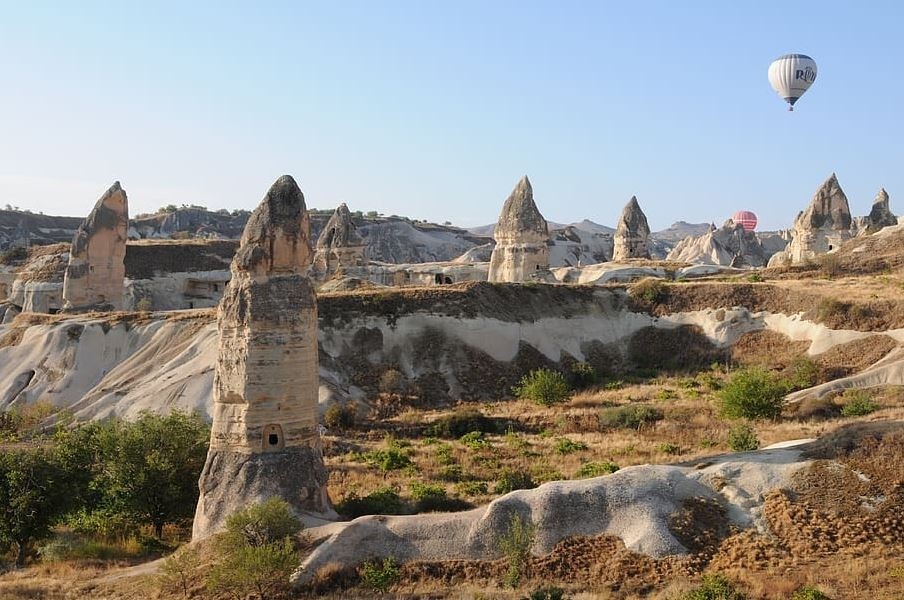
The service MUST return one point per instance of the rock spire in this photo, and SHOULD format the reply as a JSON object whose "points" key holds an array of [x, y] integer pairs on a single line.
{"points": [[264, 440], [880, 216], [339, 246], [522, 236], [632, 234], [94, 278]]}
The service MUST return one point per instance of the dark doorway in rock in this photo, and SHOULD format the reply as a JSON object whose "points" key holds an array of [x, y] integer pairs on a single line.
{"points": [[273, 438]]}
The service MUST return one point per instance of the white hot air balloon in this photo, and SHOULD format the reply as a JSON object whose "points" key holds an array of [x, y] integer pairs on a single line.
{"points": [[791, 75]]}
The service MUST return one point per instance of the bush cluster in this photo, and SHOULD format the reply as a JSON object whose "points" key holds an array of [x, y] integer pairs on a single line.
{"points": [[543, 386], [753, 393], [858, 403], [633, 416]]}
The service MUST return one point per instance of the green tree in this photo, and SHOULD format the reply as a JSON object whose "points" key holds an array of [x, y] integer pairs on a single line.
{"points": [[753, 393], [152, 467], [34, 495], [256, 554]]}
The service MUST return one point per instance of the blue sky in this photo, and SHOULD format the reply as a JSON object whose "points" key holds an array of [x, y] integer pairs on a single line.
{"points": [[434, 109]]}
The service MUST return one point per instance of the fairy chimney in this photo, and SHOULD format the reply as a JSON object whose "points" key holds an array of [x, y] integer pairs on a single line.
{"points": [[521, 235], [880, 216], [95, 275], [339, 246], [821, 228], [632, 234], [264, 440]]}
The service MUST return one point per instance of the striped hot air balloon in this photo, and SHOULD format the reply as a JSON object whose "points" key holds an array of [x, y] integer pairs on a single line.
{"points": [[791, 75], [745, 219]]}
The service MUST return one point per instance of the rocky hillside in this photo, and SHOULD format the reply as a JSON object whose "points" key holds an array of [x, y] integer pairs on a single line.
{"points": [[19, 228]]}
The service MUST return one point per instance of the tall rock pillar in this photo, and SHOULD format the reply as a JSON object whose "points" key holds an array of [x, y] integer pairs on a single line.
{"points": [[95, 276], [265, 441], [632, 234], [522, 236], [339, 245]]}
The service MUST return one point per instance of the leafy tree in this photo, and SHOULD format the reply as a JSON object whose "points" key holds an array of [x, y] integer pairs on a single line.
{"points": [[515, 544], [753, 393], [152, 467], [256, 552], [34, 495]]}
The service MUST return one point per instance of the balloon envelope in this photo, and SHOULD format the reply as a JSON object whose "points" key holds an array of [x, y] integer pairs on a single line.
{"points": [[791, 75], [745, 219]]}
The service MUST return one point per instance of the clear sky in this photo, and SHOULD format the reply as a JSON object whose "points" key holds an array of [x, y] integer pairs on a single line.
{"points": [[434, 109]]}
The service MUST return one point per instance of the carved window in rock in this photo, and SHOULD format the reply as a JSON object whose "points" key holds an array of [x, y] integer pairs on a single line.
{"points": [[273, 438]]}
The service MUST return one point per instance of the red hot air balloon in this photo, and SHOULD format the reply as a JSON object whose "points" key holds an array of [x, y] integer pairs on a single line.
{"points": [[746, 219]]}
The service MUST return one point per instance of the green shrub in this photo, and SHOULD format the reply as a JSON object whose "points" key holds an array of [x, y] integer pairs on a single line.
{"points": [[101, 522], [256, 554], [461, 422], [511, 480], [668, 448], [755, 277], [474, 440], [566, 446], [451, 473], [548, 593], [808, 592], [714, 587], [634, 416], [614, 385], [383, 501], [666, 394], [543, 386], [649, 290], [596, 469], [753, 393], [260, 524], [582, 375], [858, 403], [391, 458], [433, 498], [742, 438], [804, 373], [445, 455], [340, 416], [179, 570], [379, 576], [515, 544], [472, 488]]}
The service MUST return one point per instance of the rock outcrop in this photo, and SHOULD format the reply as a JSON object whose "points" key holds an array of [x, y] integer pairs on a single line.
{"points": [[522, 236], [729, 246], [632, 234], [880, 216], [264, 439], [339, 246], [95, 275], [821, 228]]}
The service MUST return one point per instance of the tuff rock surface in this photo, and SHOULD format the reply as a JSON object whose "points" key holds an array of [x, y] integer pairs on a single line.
{"points": [[632, 234], [264, 438], [339, 245], [880, 216], [821, 228], [94, 278], [729, 246], [522, 235]]}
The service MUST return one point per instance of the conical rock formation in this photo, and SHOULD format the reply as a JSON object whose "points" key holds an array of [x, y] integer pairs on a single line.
{"points": [[632, 234], [339, 245], [95, 276], [821, 228], [880, 216], [522, 237], [264, 440]]}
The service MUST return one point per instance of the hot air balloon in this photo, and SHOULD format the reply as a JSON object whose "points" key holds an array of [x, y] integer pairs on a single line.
{"points": [[791, 75], [745, 219]]}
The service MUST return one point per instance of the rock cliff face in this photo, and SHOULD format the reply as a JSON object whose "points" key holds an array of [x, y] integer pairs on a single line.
{"points": [[264, 439], [821, 228], [95, 276], [522, 236], [730, 246], [339, 245], [632, 233]]}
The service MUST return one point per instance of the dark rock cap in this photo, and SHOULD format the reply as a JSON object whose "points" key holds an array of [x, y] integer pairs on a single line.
{"points": [[520, 214], [829, 205], [276, 235]]}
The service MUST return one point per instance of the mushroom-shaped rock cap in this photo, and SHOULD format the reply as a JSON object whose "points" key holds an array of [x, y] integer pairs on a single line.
{"points": [[829, 204], [339, 231], [275, 239], [520, 215], [633, 220]]}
